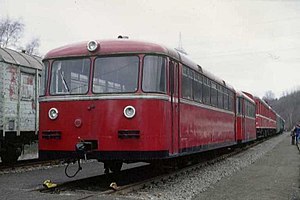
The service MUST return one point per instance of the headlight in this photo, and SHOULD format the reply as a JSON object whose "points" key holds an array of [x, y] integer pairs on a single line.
{"points": [[129, 111], [53, 113], [92, 45]]}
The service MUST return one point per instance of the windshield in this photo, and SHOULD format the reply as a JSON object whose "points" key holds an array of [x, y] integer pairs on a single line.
{"points": [[70, 76], [116, 74]]}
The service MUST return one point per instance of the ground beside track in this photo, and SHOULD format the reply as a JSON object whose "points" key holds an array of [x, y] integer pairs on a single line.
{"points": [[24, 185], [274, 176]]}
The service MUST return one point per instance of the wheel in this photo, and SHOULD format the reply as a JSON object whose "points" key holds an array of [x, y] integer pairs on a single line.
{"points": [[116, 167], [10, 154], [113, 166]]}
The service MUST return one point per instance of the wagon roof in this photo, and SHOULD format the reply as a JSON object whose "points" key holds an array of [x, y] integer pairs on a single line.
{"points": [[263, 102], [119, 46], [245, 95], [21, 59], [109, 47]]}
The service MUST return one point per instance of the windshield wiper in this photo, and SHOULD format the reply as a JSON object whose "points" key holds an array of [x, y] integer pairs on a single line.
{"points": [[64, 82]]}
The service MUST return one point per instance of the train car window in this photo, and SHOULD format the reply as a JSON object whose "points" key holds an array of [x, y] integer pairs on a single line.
{"points": [[247, 108], [220, 97], [231, 101], [250, 109], [239, 106], [171, 77], [214, 94], [154, 74], [206, 91], [225, 99], [116, 74], [43, 79], [197, 87], [70, 76], [253, 111], [187, 83]]}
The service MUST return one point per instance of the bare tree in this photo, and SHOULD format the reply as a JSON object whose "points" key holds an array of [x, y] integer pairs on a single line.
{"points": [[32, 47], [289, 108], [269, 96], [10, 32]]}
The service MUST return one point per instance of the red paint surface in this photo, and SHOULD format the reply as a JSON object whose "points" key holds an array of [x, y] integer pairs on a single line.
{"points": [[202, 126], [245, 126], [265, 116], [103, 123]]}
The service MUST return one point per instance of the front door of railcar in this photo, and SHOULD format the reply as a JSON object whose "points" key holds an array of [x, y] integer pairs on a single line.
{"points": [[173, 82]]}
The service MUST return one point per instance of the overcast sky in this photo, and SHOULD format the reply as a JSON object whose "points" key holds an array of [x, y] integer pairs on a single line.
{"points": [[253, 45]]}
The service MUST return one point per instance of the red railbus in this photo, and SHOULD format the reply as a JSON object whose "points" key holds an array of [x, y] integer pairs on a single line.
{"points": [[265, 118], [124, 101], [245, 118]]}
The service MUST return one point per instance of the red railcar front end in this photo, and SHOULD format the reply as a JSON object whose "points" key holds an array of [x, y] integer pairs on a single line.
{"points": [[103, 127], [265, 118], [108, 102]]}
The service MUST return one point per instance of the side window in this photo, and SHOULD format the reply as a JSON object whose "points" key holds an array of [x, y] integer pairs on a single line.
{"points": [[220, 96], [43, 79], [187, 82], [225, 99], [239, 106], [231, 101], [206, 91], [246, 108], [154, 74], [214, 94], [197, 87], [251, 110]]}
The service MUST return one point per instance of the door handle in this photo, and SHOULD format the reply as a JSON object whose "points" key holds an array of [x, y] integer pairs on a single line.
{"points": [[91, 107]]}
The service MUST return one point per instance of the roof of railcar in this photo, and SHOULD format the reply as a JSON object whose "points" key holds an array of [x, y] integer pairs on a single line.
{"points": [[126, 46], [264, 103], [22, 59], [245, 95]]}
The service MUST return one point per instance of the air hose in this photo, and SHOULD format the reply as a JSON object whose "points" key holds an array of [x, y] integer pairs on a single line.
{"points": [[79, 168]]}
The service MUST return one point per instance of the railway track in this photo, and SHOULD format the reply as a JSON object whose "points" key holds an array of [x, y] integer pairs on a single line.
{"points": [[141, 177], [24, 165]]}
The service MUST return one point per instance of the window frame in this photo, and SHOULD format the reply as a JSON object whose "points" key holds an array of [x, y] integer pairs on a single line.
{"points": [[190, 75], [46, 77], [66, 59], [198, 81], [166, 74], [214, 94]]}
